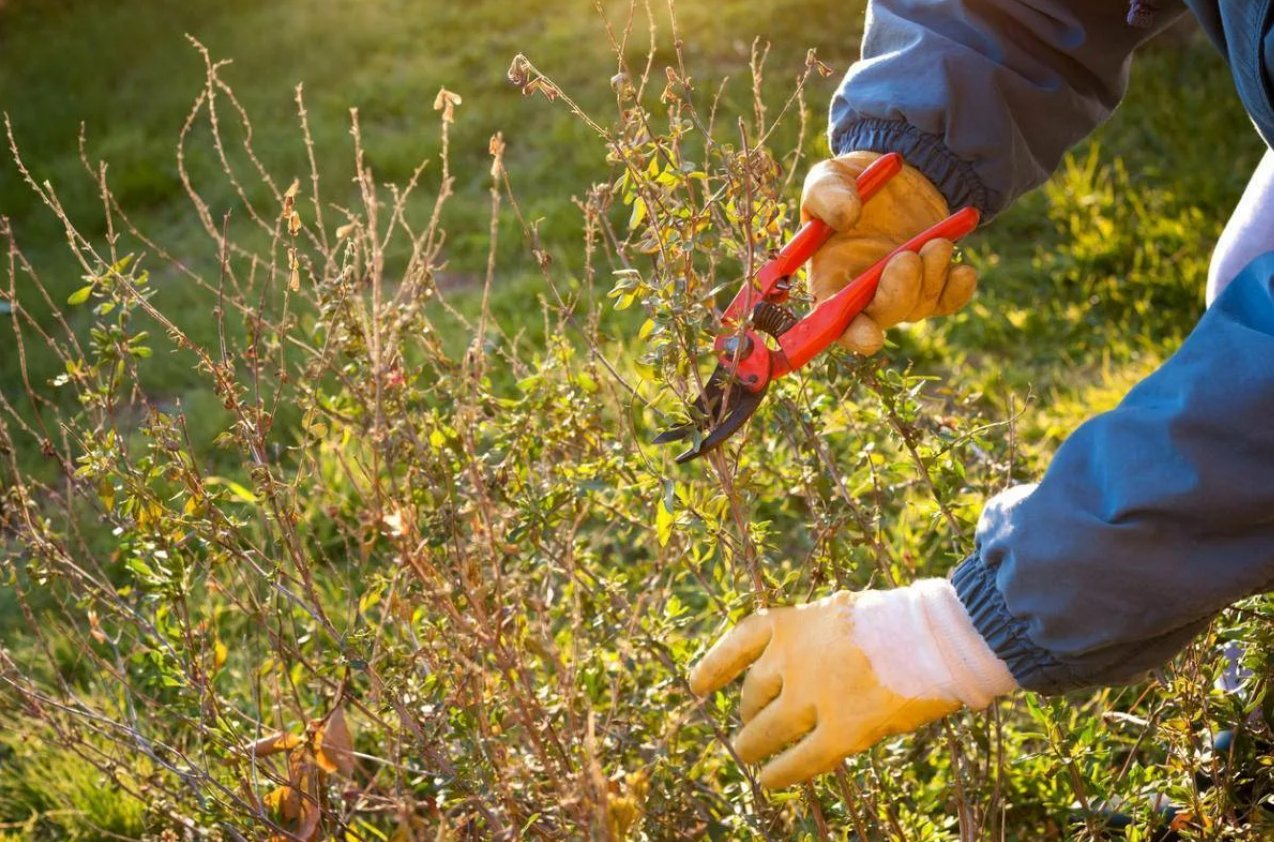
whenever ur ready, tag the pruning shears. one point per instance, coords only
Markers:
(746, 364)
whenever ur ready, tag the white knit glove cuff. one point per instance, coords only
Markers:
(922, 645)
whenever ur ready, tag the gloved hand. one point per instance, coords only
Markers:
(833, 677)
(912, 287)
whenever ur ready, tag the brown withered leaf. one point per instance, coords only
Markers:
(495, 147)
(273, 744)
(541, 86)
(812, 61)
(520, 70)
(446, 102)
(334, 746)
(295, 805)
(296, 812)
(289, 198)
(95, 627)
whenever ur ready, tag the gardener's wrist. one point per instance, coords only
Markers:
(922, 644)
(928, 153)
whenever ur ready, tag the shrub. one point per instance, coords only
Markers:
(407, 568)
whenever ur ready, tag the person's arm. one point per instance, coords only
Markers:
(1150, 519)
(985, 96)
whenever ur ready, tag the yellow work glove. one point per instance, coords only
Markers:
(913, 287)
(831, 678)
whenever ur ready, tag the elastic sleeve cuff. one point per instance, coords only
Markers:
(926, 152)
(1033, 668)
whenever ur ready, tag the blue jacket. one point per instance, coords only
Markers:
(1156, 515)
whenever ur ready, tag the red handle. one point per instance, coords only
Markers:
(828, 321)
(809, 239)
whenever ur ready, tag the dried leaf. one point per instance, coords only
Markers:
(297, 805)
(811, 60)
(542, 86)
(446, 102)
(294, 811)
(520, 70)
(289, 197)
(284, 802)
(495, 147)
(267, 746)
(95, 627)
(333, 745)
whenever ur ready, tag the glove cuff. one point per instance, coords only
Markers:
(922, 645)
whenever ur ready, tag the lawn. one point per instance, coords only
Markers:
(229, 570)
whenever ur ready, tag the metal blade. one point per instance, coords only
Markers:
(742, 404)
(676, 433)
(707, 406)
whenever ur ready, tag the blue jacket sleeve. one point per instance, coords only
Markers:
(1150, 519)
(985, 96)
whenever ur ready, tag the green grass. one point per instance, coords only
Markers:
(389, 60)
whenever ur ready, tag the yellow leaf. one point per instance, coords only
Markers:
(219, 655)
(235, 488)
(294, 811)
(664, 519)
(284, 802)
(639, 213)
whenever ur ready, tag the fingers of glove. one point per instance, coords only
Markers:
(812, 756)
(841, 260)
(935, 257)
(776, 726)
(761, 686)
(962, 282)
(830, 195)
(731, 654)
(863, 336)
(898, 290)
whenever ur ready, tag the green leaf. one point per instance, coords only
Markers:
(80, 295)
